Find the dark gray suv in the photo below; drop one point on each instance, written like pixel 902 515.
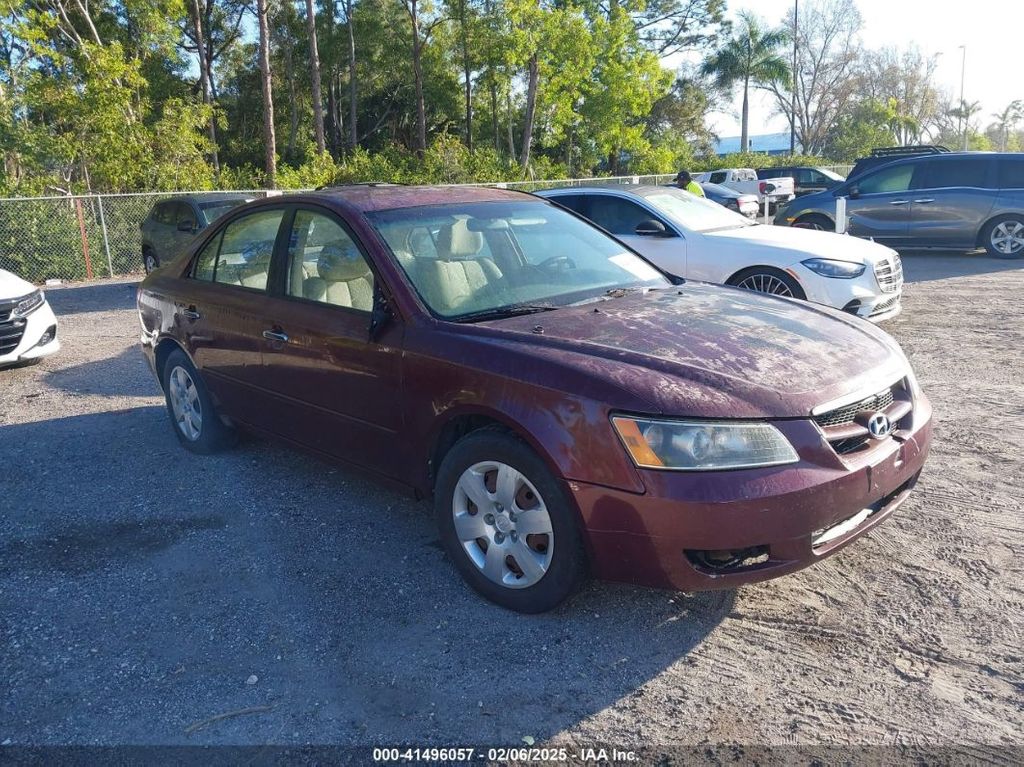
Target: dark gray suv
pixel 172 223
pixel 955 201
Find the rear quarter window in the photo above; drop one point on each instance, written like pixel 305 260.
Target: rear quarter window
pixel 1010 173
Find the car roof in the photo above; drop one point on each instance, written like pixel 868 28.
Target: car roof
pixel 628 190
pixel 723 191
pixel 373 197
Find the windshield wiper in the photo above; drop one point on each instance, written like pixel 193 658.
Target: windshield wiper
pixel 512 310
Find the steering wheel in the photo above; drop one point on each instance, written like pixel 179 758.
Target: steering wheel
pixel 557 263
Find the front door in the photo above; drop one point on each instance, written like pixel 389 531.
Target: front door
pixel 621 217
pixel 881 208
pixel 336 390
pixel 223 316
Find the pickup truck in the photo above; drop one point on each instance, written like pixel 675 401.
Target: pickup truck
pixel 745 181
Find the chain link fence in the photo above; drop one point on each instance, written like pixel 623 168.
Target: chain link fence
pixel 85 237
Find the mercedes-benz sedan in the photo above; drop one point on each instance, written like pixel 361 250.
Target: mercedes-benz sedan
pixel 569 407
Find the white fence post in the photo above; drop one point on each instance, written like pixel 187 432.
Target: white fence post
pixel 106 239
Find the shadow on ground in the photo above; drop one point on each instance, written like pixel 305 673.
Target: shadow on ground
pixel 926 265
pixel 126 374
pixel 92 297
pixel 143 603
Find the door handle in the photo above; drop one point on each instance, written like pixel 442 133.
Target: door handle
pixel 276 335
pixel 899 202
pixel 190 313
pixel 926 199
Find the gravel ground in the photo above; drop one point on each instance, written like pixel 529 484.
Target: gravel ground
pixel 144 589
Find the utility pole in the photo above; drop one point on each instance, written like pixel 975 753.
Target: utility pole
pixel 792 105
pixel 963 104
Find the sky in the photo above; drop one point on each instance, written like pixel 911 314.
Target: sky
pixel 989 28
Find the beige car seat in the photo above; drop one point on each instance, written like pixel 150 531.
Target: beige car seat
pixel 344 278
pixel 459 272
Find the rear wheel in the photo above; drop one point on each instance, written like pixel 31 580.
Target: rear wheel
pixel 765 279
pixel 507 523
pixel 1004 237
pixel 815 221
pixel 193 415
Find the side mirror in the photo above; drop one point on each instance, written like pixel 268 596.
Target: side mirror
pixel 652 228
pixel 853 192
pixel 184 225
pixel 380 316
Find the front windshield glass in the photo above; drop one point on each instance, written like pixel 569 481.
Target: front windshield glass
pixel 217 208
pixel 485 259
pixel 693 213
pixel 830 174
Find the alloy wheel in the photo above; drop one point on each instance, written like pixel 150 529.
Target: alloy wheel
pixel 188 411
pixel 149 263
pixel 1008 237
pixel 765 283
pixel 503 524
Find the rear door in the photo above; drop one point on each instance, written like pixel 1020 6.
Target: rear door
pixel 224 315
pixel 334 388
pixel 954 199
pixel 881 208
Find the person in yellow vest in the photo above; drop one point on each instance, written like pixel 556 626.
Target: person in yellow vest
pixel 686 182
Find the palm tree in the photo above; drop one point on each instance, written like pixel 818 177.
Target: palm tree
pixel 1007 120
pixel 752 57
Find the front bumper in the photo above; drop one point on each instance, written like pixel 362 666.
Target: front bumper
pixel 775 520
pixel 860 296
pixel 32 329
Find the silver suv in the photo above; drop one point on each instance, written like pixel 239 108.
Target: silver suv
pixel 172 223
pixel 954 201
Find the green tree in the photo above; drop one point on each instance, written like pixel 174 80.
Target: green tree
pixel 750 57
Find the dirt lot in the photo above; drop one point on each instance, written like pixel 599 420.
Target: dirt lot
pixel 141 587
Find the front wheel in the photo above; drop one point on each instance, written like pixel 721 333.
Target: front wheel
pixel 195 419
pixel 764 279
pixel 1004 238
pixel 149 261
pixel 507 523
pixel 816 222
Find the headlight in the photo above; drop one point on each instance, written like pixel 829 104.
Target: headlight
pixel 827 267
pixel 702 445
pixel 29 304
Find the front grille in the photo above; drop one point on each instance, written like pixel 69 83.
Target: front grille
pixel 11 332
pixel 846 414
pixel 889 274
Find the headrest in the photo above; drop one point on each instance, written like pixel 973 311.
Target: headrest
pixel 456 241
pixel 341 261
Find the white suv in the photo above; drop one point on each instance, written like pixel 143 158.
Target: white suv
pixel 697 239
pixel 28 327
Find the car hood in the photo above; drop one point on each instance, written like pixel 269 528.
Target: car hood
pixel 712 351
pixel 804 243
pixel 12 286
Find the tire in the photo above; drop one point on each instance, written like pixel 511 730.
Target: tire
pixel 1004 237
pixel 193 415
pixel 539 570
pixel 765 279
pixel 815 221
pixel 150 261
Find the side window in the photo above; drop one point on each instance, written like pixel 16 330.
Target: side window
pixel 246 247
pixel 942 174
pixel 162 212
pixel 895 179
pixel 718 177
pixel 325 265
pixel 616 215
pixel 1011 173
pixel 207 259
pixel 183 212
pixel 576 202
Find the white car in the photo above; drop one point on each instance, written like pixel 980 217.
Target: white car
pixel 700 240
pixel 28 327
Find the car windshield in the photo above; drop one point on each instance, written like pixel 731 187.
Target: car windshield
pixel 217 208
pixel 485 260
pixel 830 174
pixel 694 213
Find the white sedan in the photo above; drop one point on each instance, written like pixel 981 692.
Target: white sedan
pixel 700 240
pixel 28 327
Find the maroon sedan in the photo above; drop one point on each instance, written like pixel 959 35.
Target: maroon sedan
pixel 569 407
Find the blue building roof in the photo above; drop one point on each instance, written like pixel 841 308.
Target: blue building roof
pixel 769 143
